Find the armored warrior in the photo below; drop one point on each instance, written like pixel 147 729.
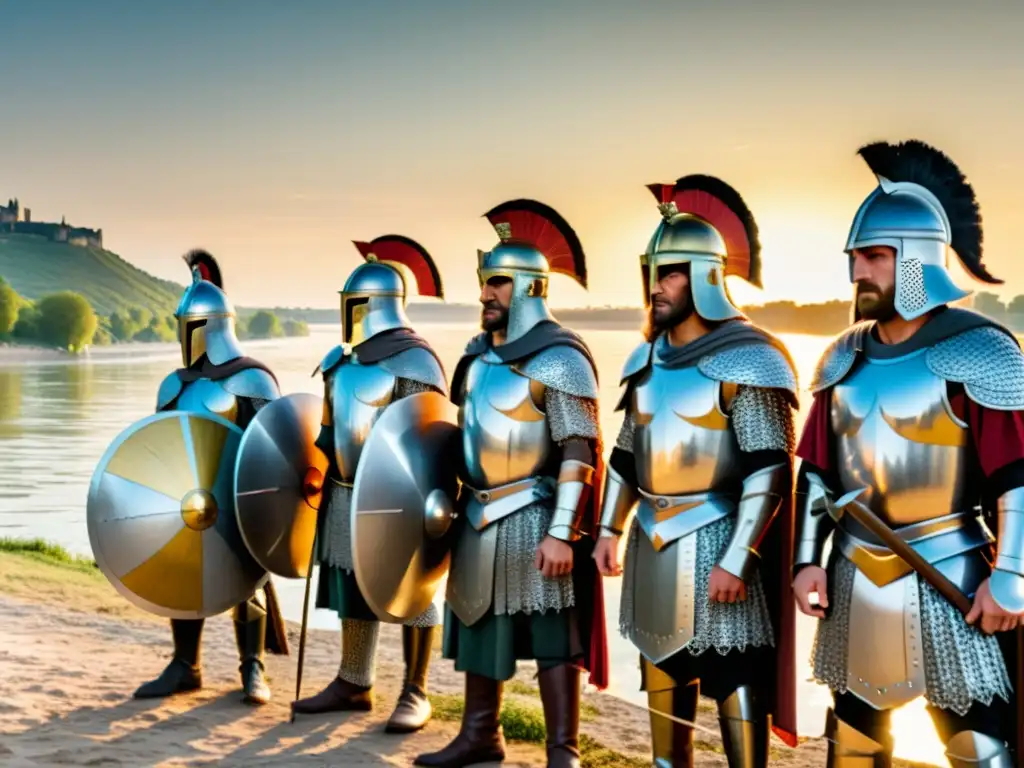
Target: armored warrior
pixel 218 378
pixel 916 425
pixel 522 583
pixel 380 361
pixel 704 457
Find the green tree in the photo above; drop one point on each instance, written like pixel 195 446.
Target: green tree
pixel 265 325
pixel 66 320
pixel 122 327
pixel 296 327
pixel 156 330
pixel 10 303
pixel 140 316
pixel 1016 306
pixel 990 305
pixel 27 326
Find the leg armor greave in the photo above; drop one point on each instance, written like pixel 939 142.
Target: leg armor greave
pixel 671 742
pixel 413 710
pixel 745 732
pixel 849 748
pixel 183 674
pixel 970 749
pixel 250 636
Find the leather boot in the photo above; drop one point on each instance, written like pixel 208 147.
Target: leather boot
pixel 671 742
pixel 250 636
pixel 184 673
pixel 339 696
pixel 745 732
pixel 413 709
pixel 480 739
pixel 560 697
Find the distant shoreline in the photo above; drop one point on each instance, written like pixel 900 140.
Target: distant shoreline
pixel 22 354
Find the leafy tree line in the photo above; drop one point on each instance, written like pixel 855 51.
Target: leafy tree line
pixel 67 320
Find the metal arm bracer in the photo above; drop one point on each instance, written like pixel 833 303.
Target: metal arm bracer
pixel 574 478
pixel 813 523
pixel 617 505
pixel 763 491
pixel 1007 580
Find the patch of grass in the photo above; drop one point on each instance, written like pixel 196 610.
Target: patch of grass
pixel 49 553
pixel 588 711
pixel 594 754
pixel 522 689
pixel 525 723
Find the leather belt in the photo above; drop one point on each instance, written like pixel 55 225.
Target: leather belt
pixel 497 493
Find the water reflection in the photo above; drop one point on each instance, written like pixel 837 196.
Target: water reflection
pixel 56 420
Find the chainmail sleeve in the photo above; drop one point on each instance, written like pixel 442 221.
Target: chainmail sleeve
pixel 624 441
pixel 763 420
pixel 570 416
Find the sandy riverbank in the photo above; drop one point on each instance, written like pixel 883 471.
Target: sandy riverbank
pixel 72 650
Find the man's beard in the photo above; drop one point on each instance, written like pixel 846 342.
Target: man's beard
pixel 877 304
pixel 679 313
pixel 498 323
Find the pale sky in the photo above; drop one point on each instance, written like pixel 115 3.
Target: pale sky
pixel 274 134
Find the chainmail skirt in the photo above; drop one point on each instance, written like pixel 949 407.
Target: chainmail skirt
pixel 962 664
pixel 518 586
pixel 721 626
pixel 336 548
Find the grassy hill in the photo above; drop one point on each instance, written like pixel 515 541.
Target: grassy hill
pixel 35 266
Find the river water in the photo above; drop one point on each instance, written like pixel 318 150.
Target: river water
pixel 57 419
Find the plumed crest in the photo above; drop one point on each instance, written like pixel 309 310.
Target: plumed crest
pixel 407 252
pixel 720 205
pixel 203 262
pixel 543 228
pixel 920 163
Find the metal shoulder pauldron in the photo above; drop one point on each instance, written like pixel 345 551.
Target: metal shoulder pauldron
pixel 563 368
pixel 416 364
pixel 170 388
pixel 331 359
pixel 987 361
pixel 838 359
pixel 254 383
pixel 756 365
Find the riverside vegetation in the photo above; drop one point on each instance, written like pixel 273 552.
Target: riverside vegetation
pixel 66 320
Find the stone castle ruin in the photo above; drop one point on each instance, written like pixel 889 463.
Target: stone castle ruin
pixel 14 218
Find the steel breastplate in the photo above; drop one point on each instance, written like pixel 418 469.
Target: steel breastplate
pixel 505 435
pixel 681 439
pixel 897 436
pixel 207 396
pixel 359 394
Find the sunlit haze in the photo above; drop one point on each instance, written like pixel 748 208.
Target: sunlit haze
pixel 274 134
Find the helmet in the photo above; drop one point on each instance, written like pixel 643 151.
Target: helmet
pixel 205 315
pixel 534 241
pixel 706 224
pixel 922 207
pixel 373 299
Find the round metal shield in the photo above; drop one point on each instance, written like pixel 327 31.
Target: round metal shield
pixel 161 517
pixel 279 477
pixel 402 505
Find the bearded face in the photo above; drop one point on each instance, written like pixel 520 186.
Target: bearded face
pixel 671 302
pixel 495 299
pixel 875 302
